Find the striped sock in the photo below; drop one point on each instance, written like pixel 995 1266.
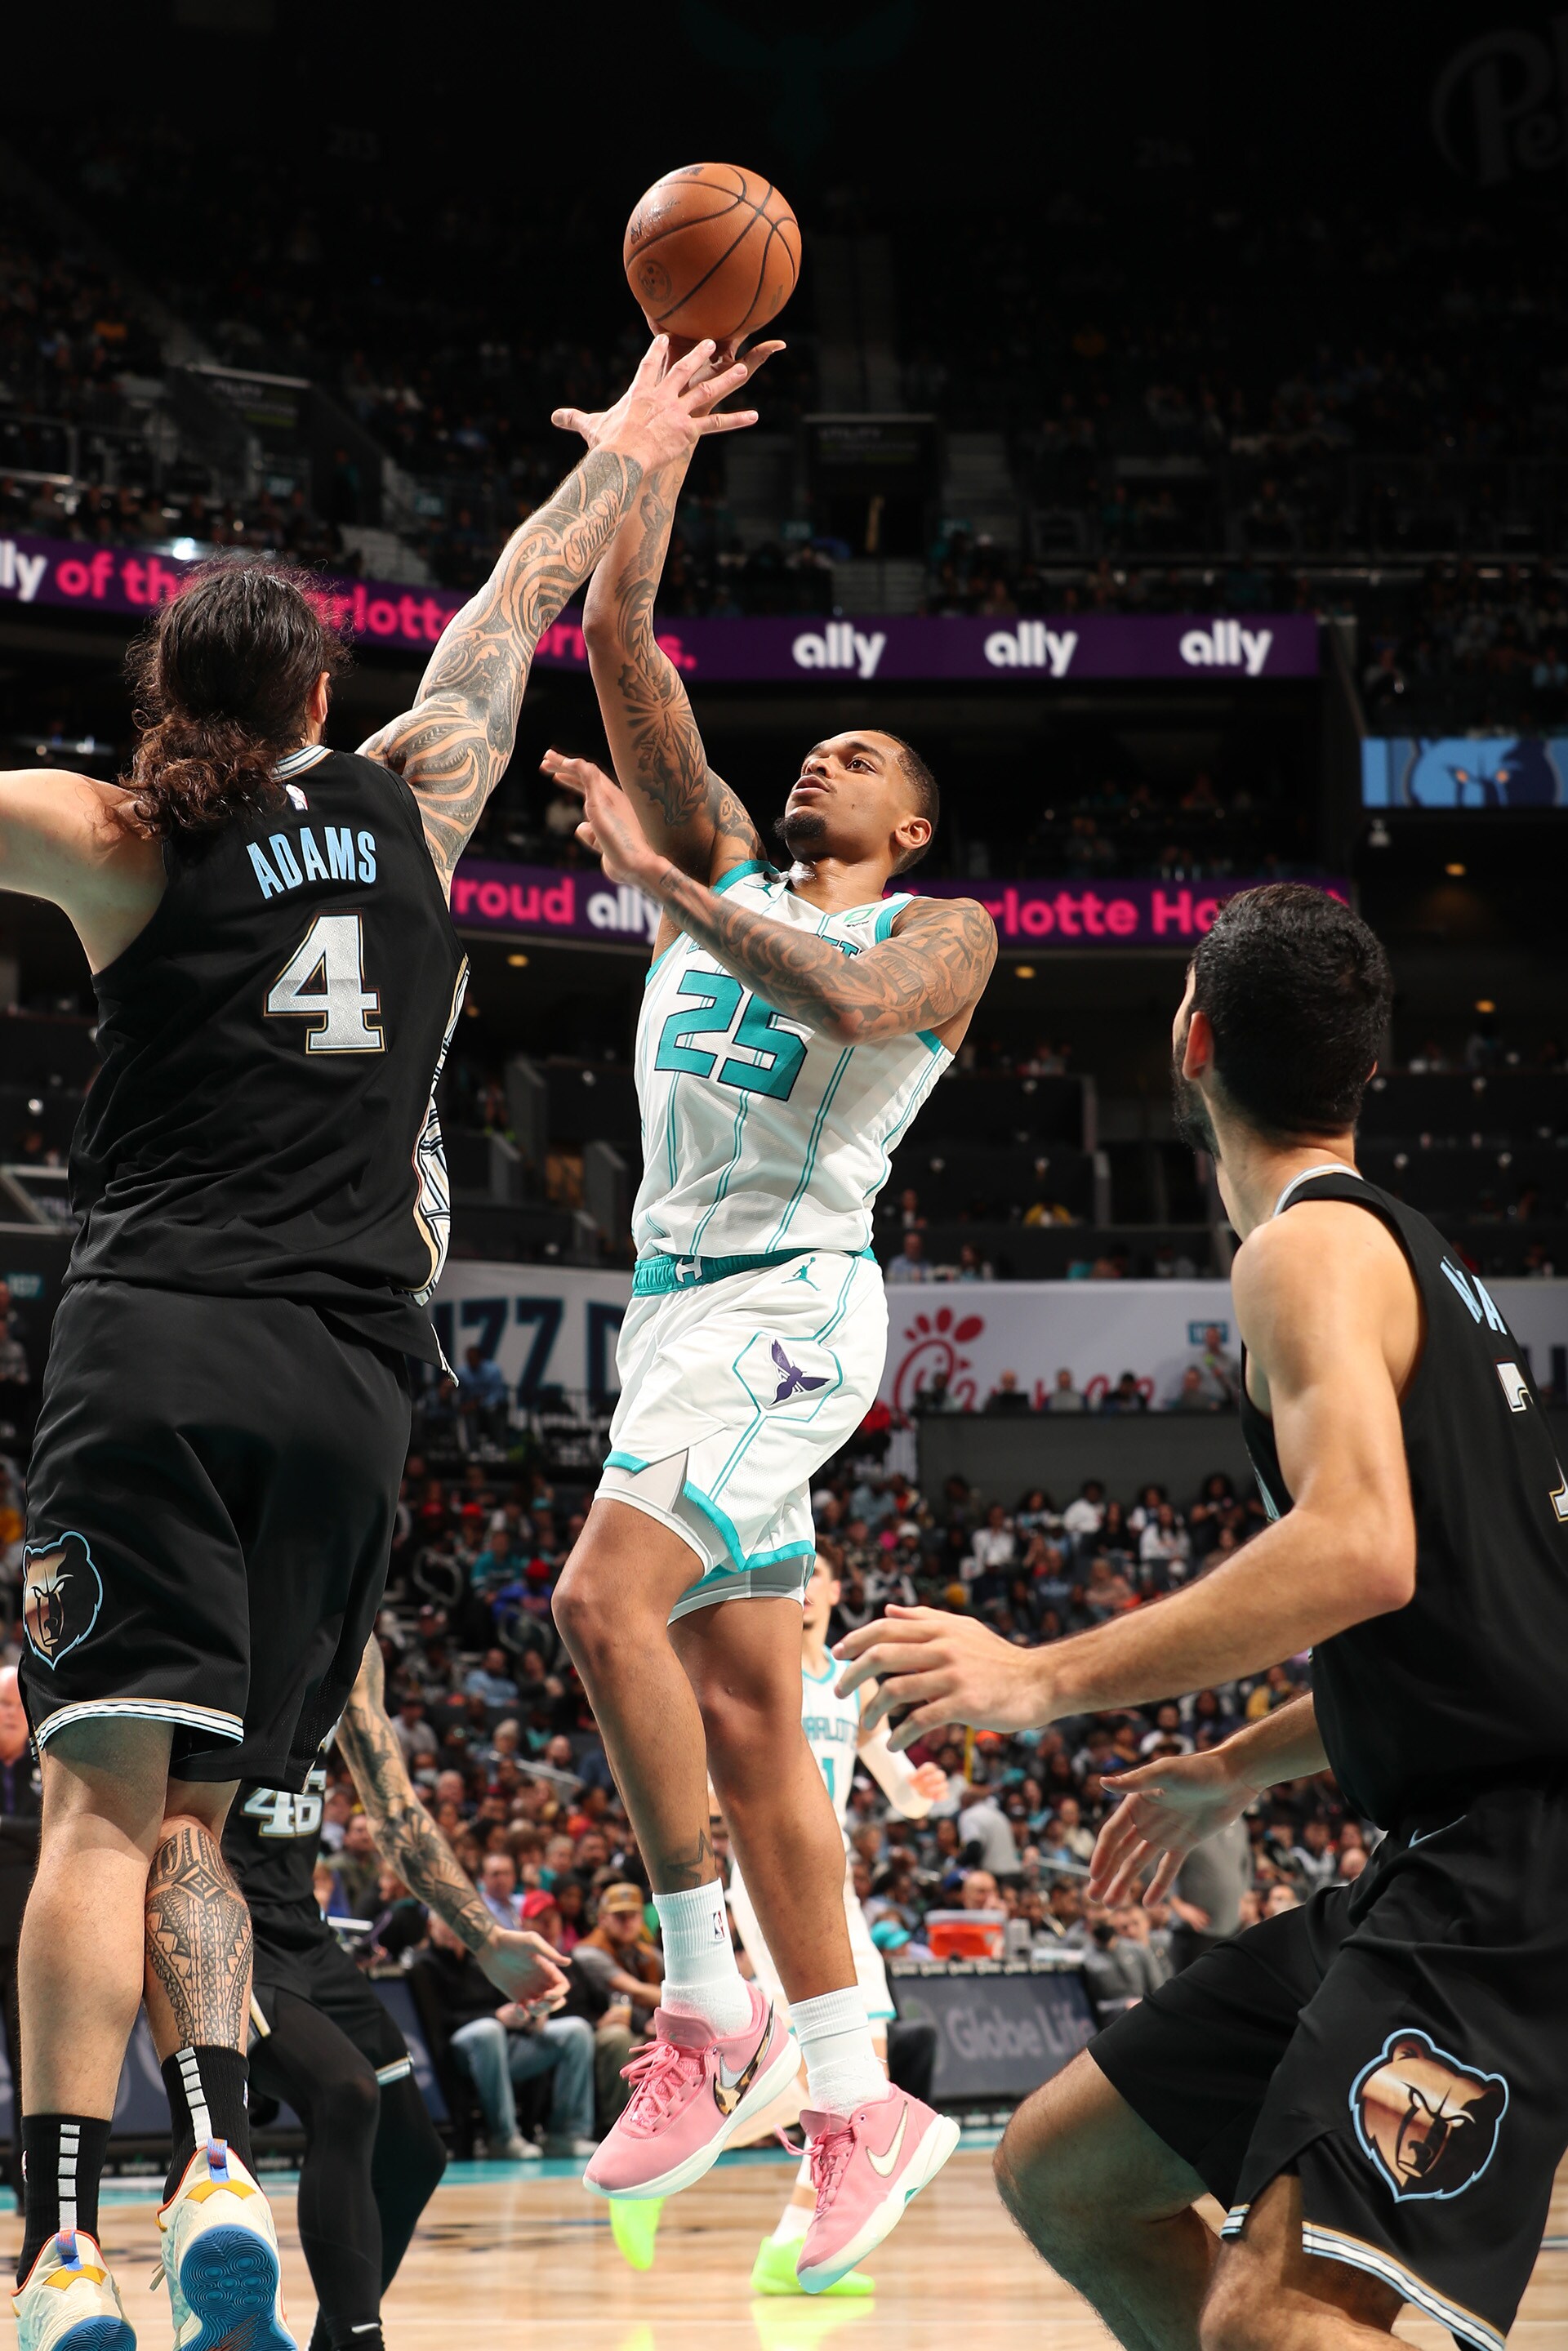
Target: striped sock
pixel 208 2095
pixel 62 2162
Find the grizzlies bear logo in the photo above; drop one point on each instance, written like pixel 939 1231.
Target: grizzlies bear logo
pixel 62 1593
pixel 1429 2124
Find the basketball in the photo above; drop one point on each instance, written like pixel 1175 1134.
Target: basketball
pixel 712 250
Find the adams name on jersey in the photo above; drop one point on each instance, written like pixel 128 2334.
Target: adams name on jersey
pixel 264 1123
pixel 760 1134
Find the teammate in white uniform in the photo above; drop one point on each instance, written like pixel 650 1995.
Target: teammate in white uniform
pixel 794 1021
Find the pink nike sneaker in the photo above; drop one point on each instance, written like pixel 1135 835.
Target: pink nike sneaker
pixel 691 2093
pixel 865 2167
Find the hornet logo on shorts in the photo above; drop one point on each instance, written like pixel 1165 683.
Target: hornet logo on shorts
pixel 1427 2123
pixel 62 1593
pixel 792 1379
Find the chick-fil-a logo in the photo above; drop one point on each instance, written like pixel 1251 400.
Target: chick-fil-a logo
pixel 934 1345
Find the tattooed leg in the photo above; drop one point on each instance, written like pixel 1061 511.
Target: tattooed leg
pixel 198 1933
pixel 80 1964
pixel 612 1607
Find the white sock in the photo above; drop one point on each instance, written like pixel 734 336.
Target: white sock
pixel 842 2068
pixel 701 1978
pixel 793 2223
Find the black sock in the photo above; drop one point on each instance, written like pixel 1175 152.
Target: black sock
pixel 208 2093
pixel 363 2338
pixel 62 2162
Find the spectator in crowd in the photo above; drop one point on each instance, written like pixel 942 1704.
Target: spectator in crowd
pixel 1007 1396
pixel 1126 1396
pixel 499 2049
pixel 1194 1392
pixel 618 1959
pixel 1220 1371
pixel 498 1889
pixel 911 1263
pixel 1064 1396
pixel 359 1867
pixel 483 1399
pixel 986 1836
pixel 491 1681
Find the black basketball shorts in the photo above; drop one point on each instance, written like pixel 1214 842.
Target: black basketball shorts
pixel 325 1978
pixel 1400 2044
pixel 210 1508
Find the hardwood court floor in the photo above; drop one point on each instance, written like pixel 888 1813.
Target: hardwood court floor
pixel 513 2259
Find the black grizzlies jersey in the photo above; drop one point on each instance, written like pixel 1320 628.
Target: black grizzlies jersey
pixel 263 1123
pixel 271 1840
pixel 1466 1683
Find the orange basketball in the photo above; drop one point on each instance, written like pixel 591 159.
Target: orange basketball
pixel 712 250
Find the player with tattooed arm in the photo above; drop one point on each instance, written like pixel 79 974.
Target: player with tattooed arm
pixel 326 2045
pixel 794 1021
pixel 263 1204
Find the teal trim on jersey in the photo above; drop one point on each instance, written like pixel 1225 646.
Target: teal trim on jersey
pixel 619 1461
pixel 723 1186
pixel 738 874
pixel 656 1276
pixel 929 1037
pixel 821 1680
pixel 724 1526
pixel 821 1338
pixel 814 1144
pixel 886 914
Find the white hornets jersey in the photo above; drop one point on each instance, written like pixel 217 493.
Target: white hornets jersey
pixel 758 1133
pixel 832 1729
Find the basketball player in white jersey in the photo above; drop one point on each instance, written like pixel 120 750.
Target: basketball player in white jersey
pixel 794 1021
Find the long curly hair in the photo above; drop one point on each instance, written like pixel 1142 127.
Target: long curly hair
pixel 221 679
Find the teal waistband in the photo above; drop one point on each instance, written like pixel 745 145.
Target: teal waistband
pixel 657 1276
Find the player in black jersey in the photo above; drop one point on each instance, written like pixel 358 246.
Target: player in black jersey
pixel 225 1409
pixel 326 2043
pixel 1375 2086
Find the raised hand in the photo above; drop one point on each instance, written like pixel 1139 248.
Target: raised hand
pixel 930 1782
pixel 718 367
pixel 1165 1810
pixel 610 827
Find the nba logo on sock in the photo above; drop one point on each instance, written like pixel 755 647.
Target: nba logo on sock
pixel 62 1593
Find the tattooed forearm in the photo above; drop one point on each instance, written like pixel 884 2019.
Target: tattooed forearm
pixel 688 813
pixel 198 1946
pixel 406 1837
pixel 935 964
pixel 453 746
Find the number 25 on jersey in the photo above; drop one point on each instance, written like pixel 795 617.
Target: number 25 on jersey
pixel 718 999
pixel 324 982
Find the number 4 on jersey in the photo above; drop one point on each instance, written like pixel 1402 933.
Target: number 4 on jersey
pixel 324 981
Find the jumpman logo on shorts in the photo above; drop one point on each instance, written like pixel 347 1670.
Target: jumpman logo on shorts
pixel 793 1381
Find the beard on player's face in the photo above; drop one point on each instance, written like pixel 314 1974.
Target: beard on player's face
pixel 1193 1123
pixel 804 832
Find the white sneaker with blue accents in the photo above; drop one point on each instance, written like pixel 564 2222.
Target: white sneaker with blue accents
pixel 68 2302
pixel 220 2258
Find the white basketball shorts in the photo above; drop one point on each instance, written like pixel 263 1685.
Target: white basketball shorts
pixel 733 1393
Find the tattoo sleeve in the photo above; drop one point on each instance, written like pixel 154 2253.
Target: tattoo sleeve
pixel 198 1946
pixel 406 1837
pixel 935 964
pixel 688 813
pixel 452 747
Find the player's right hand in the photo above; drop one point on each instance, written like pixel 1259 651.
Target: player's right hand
pixel 720 370
pixel 1165 1810
pixel 524 1967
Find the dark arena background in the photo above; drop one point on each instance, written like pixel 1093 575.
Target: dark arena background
pixel 1172 443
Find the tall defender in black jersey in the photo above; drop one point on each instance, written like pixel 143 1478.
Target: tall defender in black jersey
pixel 226 1407
pixel 1375 2086
pixel 326 2043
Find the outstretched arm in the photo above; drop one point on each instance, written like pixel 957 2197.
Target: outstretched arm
pixel 688 813
pixel 454 746
pixel 932 966
pixel 409 1842
pixel 1167 1809
pixel 64 838
pixel 1318 1313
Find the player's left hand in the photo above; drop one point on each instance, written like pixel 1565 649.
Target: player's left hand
pixel 945 1670
pixel 930 1782
pixel 610 826
pixel 524 1967
pixel 592 422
